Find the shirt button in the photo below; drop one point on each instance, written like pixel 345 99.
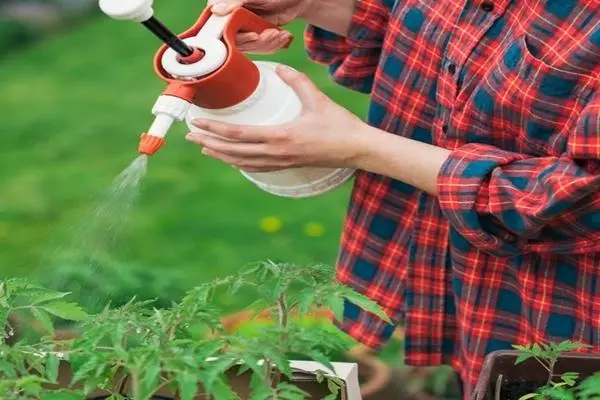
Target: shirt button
pixel 452 68
pixel 487 6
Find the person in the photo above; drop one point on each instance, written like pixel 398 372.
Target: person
pixel 474 219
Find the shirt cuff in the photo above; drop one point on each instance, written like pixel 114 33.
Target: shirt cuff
pixel 464 197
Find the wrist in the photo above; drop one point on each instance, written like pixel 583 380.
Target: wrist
pixel 308 10
pixel 331 15
pixel 364 147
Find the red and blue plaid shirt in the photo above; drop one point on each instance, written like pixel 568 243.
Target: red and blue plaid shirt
pixel 509 252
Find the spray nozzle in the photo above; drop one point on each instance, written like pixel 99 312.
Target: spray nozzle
pixel 203 66
pixel 150 145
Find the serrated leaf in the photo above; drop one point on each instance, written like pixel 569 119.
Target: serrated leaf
pixel 368 305
pixel 187 385
pixel 558 393
pixel 522 349
pixel 321 359
pixel 336 305
pixel 253 363
pixel 222 391
pixel 305 301
pixel 7 369
pixel 83 372
pixel 64 395
pixel 216 369
pixel 522 358
pixel 64 310
pixel 150 377
pixel 537 350
pixel 570 378
pixel 52 363
pixel 567 346
pixel 334 387
pixel 36 297
pixel 590 387
pixel 44 320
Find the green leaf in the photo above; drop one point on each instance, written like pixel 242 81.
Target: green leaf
pixel 530 396
pixel 567 346
pixel 63 395
pixel 150 378
pixel 41 296
pixel 222 391
pixel 336 305
pixel 7 369
pixel 334 387
pixel 558 393
pixel 321 359
pixel 64 310
pixel 44 320
pixel 52 363
pixel 368 305
pixel 570 378
pixel 216 369
pixel 537 351
pixel 83 372
pixel 522 358
pixel 187 385
pixel 590 387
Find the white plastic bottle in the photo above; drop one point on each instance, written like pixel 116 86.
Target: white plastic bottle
pixel 219 82
pixel 275 103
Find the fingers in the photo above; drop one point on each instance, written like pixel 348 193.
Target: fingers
pixel 238 149
pixel 240 133
pixel 306 90
pixel 246 37
pixel 268 42
pixel 224 7
pixel 248 164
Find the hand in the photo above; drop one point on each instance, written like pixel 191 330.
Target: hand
pixel 278 12
pixel 324 135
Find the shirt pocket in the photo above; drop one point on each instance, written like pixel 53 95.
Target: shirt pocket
pixel 528 104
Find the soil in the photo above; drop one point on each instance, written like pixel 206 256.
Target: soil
pixel 513 390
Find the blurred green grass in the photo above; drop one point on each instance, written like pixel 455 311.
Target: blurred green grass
pixel 72 109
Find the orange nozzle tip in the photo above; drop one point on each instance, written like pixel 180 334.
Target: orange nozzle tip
pixel 150 145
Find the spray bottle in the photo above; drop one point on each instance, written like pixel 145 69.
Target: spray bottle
pixel 208 77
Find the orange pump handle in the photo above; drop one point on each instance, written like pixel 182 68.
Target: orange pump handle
pixel 234 81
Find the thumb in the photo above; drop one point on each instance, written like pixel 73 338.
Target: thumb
pixel 224 7
pixel 306 90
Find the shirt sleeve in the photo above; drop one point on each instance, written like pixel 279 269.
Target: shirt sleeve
pixel 508 203
pixel 353 60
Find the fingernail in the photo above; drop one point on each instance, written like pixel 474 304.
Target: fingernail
pixel 204 151
pixel 284 68
pixel 198 121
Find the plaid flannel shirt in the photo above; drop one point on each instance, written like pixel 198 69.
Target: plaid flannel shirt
pixel 509 252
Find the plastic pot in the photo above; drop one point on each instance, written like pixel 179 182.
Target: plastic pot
pixel 501 379
pixel 376 376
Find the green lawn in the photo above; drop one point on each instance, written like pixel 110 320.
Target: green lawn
pixel 73 107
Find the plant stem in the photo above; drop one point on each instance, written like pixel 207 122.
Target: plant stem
pixel 283 324
pixel 267 367
pixel 551 371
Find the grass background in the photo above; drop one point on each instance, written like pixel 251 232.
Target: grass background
pixel 72 108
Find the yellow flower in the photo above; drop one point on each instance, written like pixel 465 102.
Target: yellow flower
pixel 314 229
pixel 271 224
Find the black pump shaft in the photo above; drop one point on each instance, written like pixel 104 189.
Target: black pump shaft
pixel 168 37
